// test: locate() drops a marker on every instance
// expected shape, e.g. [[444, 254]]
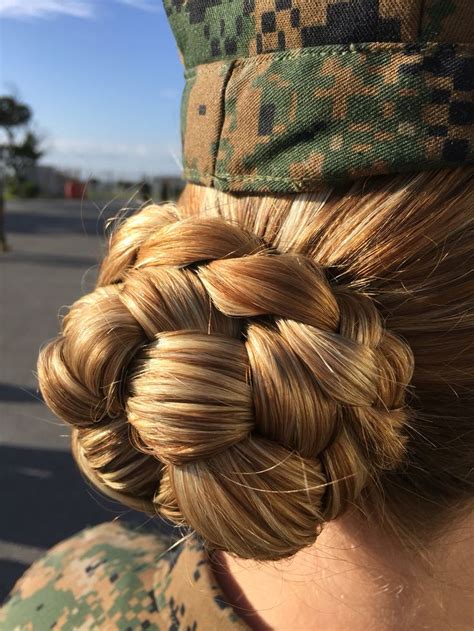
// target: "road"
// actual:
[[55, 247]]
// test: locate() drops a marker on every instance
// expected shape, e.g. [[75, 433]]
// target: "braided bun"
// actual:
[[227, 385]]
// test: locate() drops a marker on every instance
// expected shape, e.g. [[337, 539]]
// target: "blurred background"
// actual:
[[89, 125]]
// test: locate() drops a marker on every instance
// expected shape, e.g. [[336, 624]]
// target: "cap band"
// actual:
[[284, 94], [286, 121]]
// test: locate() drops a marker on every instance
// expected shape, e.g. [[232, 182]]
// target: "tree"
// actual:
[[21, 157], [17, 156], [13, 114]]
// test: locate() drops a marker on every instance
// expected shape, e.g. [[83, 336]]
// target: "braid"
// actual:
[[227, 384]]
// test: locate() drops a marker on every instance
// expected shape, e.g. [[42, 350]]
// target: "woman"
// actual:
[[282, 363]]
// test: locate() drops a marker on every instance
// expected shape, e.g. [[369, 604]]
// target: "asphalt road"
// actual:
[[55, 247]]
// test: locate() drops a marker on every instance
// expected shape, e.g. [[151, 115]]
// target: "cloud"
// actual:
[[109, 149], [74, 8], [144, 5], [118, 158], [42, 8]]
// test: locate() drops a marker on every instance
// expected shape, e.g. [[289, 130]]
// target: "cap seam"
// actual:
[[340, 50]]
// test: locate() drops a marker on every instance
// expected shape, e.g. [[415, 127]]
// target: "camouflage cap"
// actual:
[[283, 94]]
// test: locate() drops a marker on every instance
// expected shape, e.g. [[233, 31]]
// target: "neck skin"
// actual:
[[343, 582]]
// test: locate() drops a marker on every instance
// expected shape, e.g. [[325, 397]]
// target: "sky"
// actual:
[[103, 78]]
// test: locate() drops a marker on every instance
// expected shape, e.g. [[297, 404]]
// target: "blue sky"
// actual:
[[103, 78]]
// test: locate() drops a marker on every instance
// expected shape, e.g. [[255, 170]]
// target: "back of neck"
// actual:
[[353, 579]]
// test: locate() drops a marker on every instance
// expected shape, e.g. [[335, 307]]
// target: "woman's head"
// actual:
[[256, 366]]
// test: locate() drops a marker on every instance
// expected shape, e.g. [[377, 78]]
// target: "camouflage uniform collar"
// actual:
[[284, 94], [187, 593], [116, 576]]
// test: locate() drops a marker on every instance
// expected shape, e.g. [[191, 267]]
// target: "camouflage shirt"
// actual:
[[113, 578]]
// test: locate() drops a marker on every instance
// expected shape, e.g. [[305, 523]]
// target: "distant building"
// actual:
[[50, 180], [55, 182]]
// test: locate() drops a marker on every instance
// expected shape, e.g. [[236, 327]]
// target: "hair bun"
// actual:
[[190, 399], [226, 385]]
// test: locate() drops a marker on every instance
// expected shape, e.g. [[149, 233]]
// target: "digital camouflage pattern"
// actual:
[[283, 94], [112, 578]]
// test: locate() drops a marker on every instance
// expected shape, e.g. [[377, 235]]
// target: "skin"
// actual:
[[342, 583]]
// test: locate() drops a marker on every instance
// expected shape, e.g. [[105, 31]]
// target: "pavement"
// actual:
[[55, 246]]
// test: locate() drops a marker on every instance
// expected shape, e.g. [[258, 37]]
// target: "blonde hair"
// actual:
[[253, 367]]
